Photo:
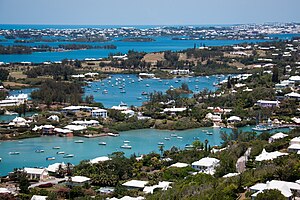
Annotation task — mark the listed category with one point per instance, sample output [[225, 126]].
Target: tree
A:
[[23, 183], [3, 74], [270, 195], [275, 74], [206, 143], [161, 149]]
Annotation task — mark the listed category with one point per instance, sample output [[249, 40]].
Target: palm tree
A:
[[206, 142], [161, 149]]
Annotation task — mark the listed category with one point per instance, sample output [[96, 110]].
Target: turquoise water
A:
[[160, 44], [142, 142], [134, 90]]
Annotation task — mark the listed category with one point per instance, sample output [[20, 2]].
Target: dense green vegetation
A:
[[58, 91]]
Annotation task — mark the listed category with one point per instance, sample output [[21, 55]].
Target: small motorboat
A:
[[147, 85], [126, 146], [50, 158], [102, 143], [209, 133], [60, 152], [14, 153], [189, 146], [167, 138], [173, 135], [160, 143], [179, 137], [126, 141], [113, 134], [139, 98], [123, 91], [56, 147], [79, 141], [68, 156], [144, 93], [39, 151]]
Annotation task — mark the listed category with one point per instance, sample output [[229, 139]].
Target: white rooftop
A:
[[80, 179], [75, 127], [269, 156], [180, 165], [34, 170], [206, 162], [99, 159], [135, 183], [39, 197]]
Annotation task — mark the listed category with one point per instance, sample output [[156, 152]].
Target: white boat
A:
[[39, 151], [189, 146], [260, 128], [173, 135], [160, 143], [60, 152], [50, 158], [139, 98], [0, 159], [102, 143], [147, 85], [14, 153], [126, 141], [113, 134], [126, 146], [79, 141], [122, 91], [105, 91], [209, 133], [167, 138], [69, 156], [179, 137], [56, 147]]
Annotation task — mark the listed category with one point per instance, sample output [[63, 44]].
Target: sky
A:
[[148, 12]]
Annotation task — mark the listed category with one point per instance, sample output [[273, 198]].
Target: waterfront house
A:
[[19, 122], [54, 118], [121, 106], [14, 100], [180, 72], [277, 136], [99, 159], [214, 118], [99, 113], [78, 181], [86, 123], [63, 132], [146, 75], [234, 119], [76, 109], [36, 173], [135, 184], [287, 189], [295, 78], [53, 168], [267, 103], [75, 127], [206, 165]]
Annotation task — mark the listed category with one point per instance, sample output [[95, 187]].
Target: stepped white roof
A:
[[269, 156], [206, 162], [135, 183]]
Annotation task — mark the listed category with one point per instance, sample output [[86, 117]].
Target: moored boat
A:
[[126, 146], [60, 152], [160, 143], [14, 153], [68, 156], [102, 143], [50, 158], [57, 147], [39, 151], [79, 141], [167, 138], [113, 134]]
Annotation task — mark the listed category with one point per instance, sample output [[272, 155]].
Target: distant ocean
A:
[[160, 44]]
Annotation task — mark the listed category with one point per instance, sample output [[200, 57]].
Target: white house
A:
[[86, 122], [99, 113], [99, 159], [78, 180], [206, 165], [164, 185], [269, 155], [135, 184], [129, 113], [36, 173], [277, 136], [179, 165], [38, 197], [234, 119], [266, 103], [286, 188], [293, 95], [294, 145], [174, 110]]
